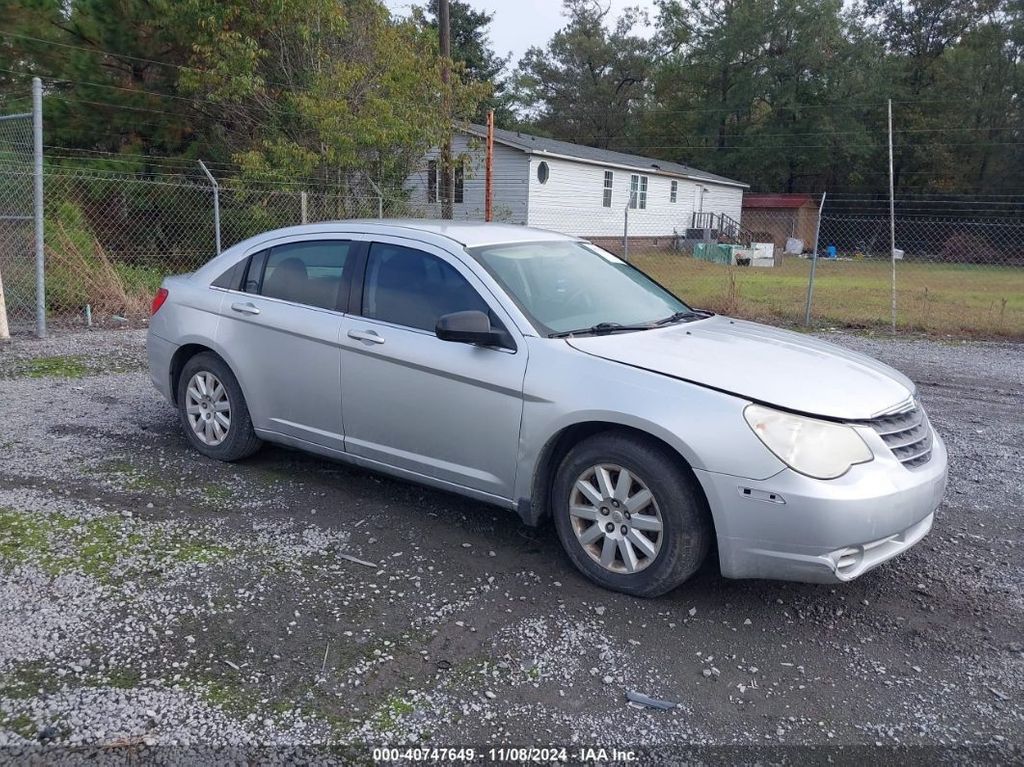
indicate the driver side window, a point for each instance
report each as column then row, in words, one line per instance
column 408, row 287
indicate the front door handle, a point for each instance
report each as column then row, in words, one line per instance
column 366, row 335
column 245, row 308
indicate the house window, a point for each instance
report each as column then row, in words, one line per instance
column 608, row 179
column 674, row 193
column 432, row 181
column 638, row 192
column 543, row 172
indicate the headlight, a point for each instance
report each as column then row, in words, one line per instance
column 819, row 449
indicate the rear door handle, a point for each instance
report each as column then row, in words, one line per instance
column 366, row 335
column 245, row 308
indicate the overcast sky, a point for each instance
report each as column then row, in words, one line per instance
column 518, row 24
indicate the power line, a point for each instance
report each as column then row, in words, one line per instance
column 145, row 157
column 140, row 92
column 291, row 88
column 666, row 147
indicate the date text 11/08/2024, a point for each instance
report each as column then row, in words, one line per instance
column 507, row 754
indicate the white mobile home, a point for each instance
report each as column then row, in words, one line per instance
column 578, row 189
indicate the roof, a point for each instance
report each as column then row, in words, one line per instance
column 470, row 233
column 466, row 233
column 564, row 149
column 777, row 200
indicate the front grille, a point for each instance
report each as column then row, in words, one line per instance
column 908, row 435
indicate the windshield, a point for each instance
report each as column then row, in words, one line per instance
column 566, row 285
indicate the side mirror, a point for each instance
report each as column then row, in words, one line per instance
column 470, row 327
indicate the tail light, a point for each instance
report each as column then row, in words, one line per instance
column 158, row 301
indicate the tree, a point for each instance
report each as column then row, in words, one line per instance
column 790, row 95
column 320, row 89
column 306, row 89
column 471, row 47
column 110, row 79
column 589, row 82
column 935, row 49
column 759, row 90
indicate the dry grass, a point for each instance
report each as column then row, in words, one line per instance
column 80, row 274
column 945, row 299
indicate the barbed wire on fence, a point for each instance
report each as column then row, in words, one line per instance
column 113, row 236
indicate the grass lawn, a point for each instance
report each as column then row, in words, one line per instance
column 946, row 299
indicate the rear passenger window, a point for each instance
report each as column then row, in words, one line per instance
column 412, row 288
column 230, row 279
column 302, row 272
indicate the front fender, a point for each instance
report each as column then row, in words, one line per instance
column 565, row 388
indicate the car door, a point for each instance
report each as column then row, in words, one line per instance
column 445, row 410
column 282, row 331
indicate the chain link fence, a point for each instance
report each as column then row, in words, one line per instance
column 111, row 239
column 17, row 240
column 957, row 275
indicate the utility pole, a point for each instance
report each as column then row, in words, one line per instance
column 489, row 169
column 447, row 171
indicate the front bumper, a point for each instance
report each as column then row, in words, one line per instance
column 792, row 527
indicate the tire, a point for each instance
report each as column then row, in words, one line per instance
column 685, row 534
column 213, row 439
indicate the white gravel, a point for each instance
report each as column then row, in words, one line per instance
column 150, row 596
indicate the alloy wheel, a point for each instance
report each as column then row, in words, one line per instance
column 616, row 518
column 208, row 408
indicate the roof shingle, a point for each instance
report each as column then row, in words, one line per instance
column 540, row 145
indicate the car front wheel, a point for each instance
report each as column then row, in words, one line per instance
column 629, row 516
column 213, row 410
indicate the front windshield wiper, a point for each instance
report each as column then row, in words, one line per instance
column 601, row 328
column 689, row 314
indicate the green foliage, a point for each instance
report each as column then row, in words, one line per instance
column 109, row 548
column 317, row 89
column 590, row 81
column 471, row 47
column 290, row 90
column 55, row 367
column 20, row 536
column 790, row 95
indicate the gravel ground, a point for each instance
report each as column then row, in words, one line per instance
column 151, row 596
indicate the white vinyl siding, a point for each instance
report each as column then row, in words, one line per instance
column 566, row 203
column 569, row 201
column 511, row 183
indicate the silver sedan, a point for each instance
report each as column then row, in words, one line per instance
column 540, row 373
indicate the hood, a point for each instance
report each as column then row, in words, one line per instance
column 762, row 363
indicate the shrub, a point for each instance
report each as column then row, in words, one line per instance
column 968, row 248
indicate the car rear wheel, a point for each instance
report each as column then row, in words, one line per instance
column 629, row 516
column 213, row 410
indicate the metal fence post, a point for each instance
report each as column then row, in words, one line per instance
column 892, row 223
column 625, row 228
column 304, row 204
column 814, row 263
column 37, row 178
column 216, row 204
column 380, row 198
